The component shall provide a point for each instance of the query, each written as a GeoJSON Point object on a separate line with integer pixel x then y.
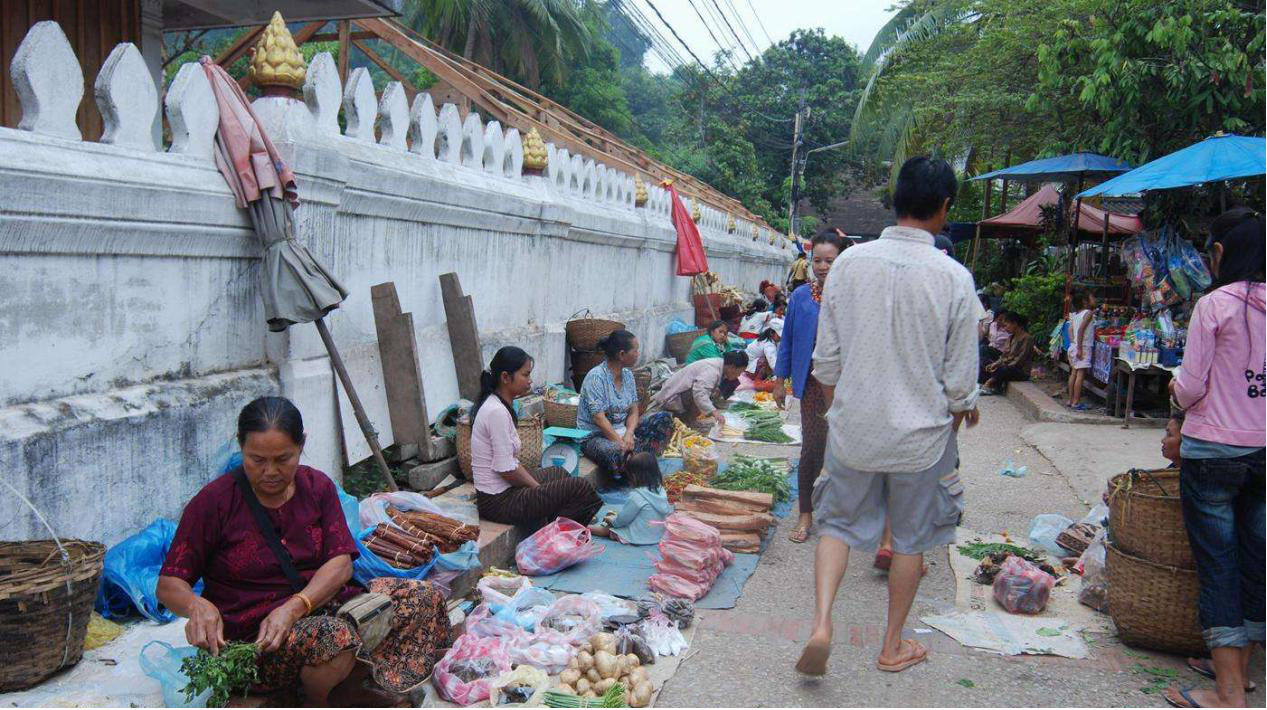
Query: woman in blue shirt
{"type": "Point", "coordinates": [795, 360]}
{"type": "Point", "coordinates": [609, 408]}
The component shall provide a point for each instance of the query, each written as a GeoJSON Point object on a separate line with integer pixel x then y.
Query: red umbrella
{"type": "Point", "coordinates": [691, 260]}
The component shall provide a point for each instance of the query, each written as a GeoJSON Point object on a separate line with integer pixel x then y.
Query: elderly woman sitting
{"type": "Point", "coordinates": [282, 593]}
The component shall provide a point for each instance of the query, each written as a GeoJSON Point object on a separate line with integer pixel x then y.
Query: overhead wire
{"type": "Point", "coordinates": [756, 47]}
{"type": "Point", "coordinates": [732, 30]}
{"type": "Point", "coordinates": [720, 47]}
{"type": "Point", "coordinates": [760, 24]}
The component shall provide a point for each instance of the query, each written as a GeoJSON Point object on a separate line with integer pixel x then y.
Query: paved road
{"type": "Point", "coordinates": [744, 656]}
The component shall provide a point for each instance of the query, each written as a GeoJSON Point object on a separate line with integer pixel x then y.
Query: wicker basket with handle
{"type": "Point", "coordinates": [560, 414]}
{"type": "Point", "coordinates": [1146, 517]}
{"type": "Point", "coordinates": [1153, 606]}
{"type": "Point", "coordinates": [530, 439]}
{"type": "Point", "coordinates": [584, 333]}
{"type": "Point", "coordinates": [47, 591]}
{"type": "Point", "coordinates": [582, 362]}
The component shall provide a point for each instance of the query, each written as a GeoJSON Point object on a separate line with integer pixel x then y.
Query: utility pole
{"type": "Point", "coordinates": [801, 114]}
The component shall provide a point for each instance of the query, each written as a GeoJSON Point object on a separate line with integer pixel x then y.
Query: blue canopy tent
{"type": "Point", "coordinates": [1221, 157]}
{"type": "Point", "coordinates": [1070, 167]}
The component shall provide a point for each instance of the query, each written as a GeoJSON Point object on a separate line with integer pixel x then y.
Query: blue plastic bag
{"type": "Point", "coordinates": [676, 326]}
{"type": "Point", "coordinates": [129, 577]}
{"type": "Point", "coordinates": [368, 565]}
{"type": "Point", "coordinates": [163, 665]}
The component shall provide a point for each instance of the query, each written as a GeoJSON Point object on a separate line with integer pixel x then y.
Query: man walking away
{"type": "Point", "coordinates": [897, 337]}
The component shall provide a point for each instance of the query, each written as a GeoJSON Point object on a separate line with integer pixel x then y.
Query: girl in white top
{"type": "Point", "coordinates": [763, 353]}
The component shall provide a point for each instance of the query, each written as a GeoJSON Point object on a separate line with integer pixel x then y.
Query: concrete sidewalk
{"type": "Point", "coordinates": [744, 656]}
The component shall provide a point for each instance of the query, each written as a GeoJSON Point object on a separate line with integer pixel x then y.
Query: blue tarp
{"type": "Point", "coordinates": [1213, 159]}
{"type": "Point", "coordinates": [1061, 167]}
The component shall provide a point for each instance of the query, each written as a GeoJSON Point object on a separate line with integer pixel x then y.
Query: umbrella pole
{"type": "Point", "coordinates": [371, 437]}
{"type": "Point", "coordinates": [976, 245]}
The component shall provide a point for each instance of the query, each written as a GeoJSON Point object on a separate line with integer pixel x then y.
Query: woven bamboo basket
{"type": "Point", "coordinates": [582, 362]}
{"type": "Point", "coordinates": [642, 379]}
{"type": "Point", "coordinates": [560, 414]}
{"type": "Point", "coordinates": [530, 439]}
{"type": "Point", "coordinates": [1154, 606]}
{"type": "Point", "coordinates": [45, 603]}
{"type": "Point", "coordinates": [584, 333]}
{"type": "Point", "coordinates": [1146, 517]}
{"type": "Point", "coordinates": [679, 344]}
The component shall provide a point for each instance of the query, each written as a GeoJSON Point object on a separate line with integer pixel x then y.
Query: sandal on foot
{"type": "Point", "coordinates": [798, 535]}
{"type": "Point", "coordinates": [1203, 667]}
{"type": "Point", "coordinates": [1184, 694]}
{"type": "Point", "coordinates": [883, 558]}
{"type": "Point", "coordinates": [813, 659]}
{"type": "Point", "coordinates": [920, 655]}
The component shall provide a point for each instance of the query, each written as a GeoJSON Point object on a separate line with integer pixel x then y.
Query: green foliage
{"type": "Point", "coordinates": [234, 669]}
{"type": "Point", "coordinates": [1040, 298]}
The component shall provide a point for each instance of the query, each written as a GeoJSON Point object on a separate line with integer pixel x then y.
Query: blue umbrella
{"type": "Point", "coordinates": [1062, 167]}
{"type": "Point", "coordinates": [1217, 158]}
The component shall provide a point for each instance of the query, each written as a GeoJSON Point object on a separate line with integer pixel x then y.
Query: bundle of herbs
{"type": "Point", "coordinates": [764, 426]}
{"type": "Point", "coordinates": [749, 473]}
{"type": "Point", "coordinates": [235, 669]}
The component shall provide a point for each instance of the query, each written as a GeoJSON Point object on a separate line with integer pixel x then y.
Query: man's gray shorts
{"type": "Point", "coordinates": [924, 508]}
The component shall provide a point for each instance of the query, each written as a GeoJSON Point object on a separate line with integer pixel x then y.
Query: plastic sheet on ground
{"type": "Point", "coordinates": [1010, 634]}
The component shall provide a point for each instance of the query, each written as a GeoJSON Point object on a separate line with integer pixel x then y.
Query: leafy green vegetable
{"type": "Point", "coordinates": [1048, 631]}
{"type": "Point", "coordinates": [749, 473]}
{"type": "Point", "coordinates": [613, 698]}
{"type": "Point", "coordinates": [978, 550]}
{"type": "Point", "coordinates": [234, 669]}
{"type": "Point", "coordinates": [740, 407]}
{"type": "Point", "coordinates": [966, 683]}
{"type": "Point", "coordinates": [764, 426]}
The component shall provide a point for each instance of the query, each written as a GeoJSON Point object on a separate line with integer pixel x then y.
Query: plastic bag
{"type": "Point", "coordinates": [368, 565]}
{"type": "Point", "coordinates": [374, 508]}
{"type": "Point", "coordinates": [545, 647]}
{"type": "Point", "coordinates": [1044, 530]}
{"type": "Point", "coordinates": [555, 547]}
{"type": "Point", "coordinates": [676, 326]}
{"type": "Point", "coordinates": [163, 665]}
{"type": "Point", "coordinates": [523, 687]}
{"type": "Point", "coordinates": [1021, 587]}
{"type": "Point", "coordinates": [129, 575]}
{"type": "Point", "coordinates": [496, 589]}
{"type": "Point", "coordinates": [466, 673]}
{"type": "Point", "coordinates": [699, 456]}
{"type": "Point", "coordinates": [608, 605]}
{"type": "Point", "coordinates": [1095, 580]}
{"type": "Point", "coordinates": [574, 616]}
{"type": "Point", "coordinates": [663, 636]}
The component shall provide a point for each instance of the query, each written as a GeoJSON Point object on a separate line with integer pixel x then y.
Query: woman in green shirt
{"type": "Point", "coordinates": [714, 343]}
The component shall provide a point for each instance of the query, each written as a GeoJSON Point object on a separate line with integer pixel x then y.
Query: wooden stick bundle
{"type": "Point", "coordinates": [446, 533]}
{"type": "Point", "coordinates": [398, 547]}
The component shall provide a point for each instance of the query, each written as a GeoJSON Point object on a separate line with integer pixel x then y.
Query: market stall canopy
{"type": "Point", "coordinates": [1062, 167]}
{"type": "Point", "coordinates": [1028, 215]}
{"type": "Point", "coordinates": [1221, 157]}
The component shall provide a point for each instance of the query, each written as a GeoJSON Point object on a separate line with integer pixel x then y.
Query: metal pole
{"type": "Point", "coordinates": [371, 436]}
{"type": "Point", "coordinates": [796, 144]}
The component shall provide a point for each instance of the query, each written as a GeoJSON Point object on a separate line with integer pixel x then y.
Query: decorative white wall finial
{"type": "Point", "coordinates": [323, 93]}
{"type": "Point", "coordinates": [422, 126]}
{"type": "Point", "coordinates": [360, 105]}
{"type": "Point", "coordinates": [192, 112]}
{"type": "Point", "coordinates": [513, 160]}
{"type": "Point", "coordinates": [393, 117]}
{"type": "Point", "coordinates": [48, 81]}
{"type": "Point", "coordinates": [127, 99]}
{"type": "Point", "coordinates": [449, 135]}
{"type": "Point", "coordinates": [472, 153]}
{"type": "Point", "coordinates": [494, 148]}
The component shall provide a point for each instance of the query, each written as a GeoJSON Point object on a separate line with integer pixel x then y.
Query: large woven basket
{"type": "Point", "coordinates": [560, 414]}
{"type": "Point", "coordinates": [1146, 517]}
{"type": "Point", "coordinates": [678, 345]}
{"type": "Point", "coordinates": [584, 333]}
{"type": "Point", "coordinates": [530, 438]}
{"type": "Point", "coordinates": [582, 362]}
{"type": "Point", "coordinates": [45, 603]}
{"type": "Point", "coordinates": [642, 380]}
{"type": "Point", "coordinates": [1154, 606]}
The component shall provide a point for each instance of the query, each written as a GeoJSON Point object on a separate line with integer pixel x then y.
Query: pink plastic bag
{"type": "Point", "coordinates": [690, 530]}
{"type": "Point", "coordinates": [676, 586]}
{"type": "Point", "coordinates": [555, 547]}
{"type": "Point", "coordinates": [692, 558]}
{"type": "Point", "coordinates": [453, 674]}
{"type": "Point", "coordinates": [1021, 587]}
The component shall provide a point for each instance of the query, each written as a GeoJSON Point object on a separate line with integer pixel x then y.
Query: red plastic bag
{"type": "Point", "coordinates": [1021, 587]}
{"type": "Point", "coordinates": [690, 530]}
{"type": "Point", "coordinates": [466, 673]}
{"type": "Point", "coordinates": [555, 547]}
{"type": "Point", "coordinates": [692, 558]}
{"type": "Point", "coordinates": [691, 259]}
{"type": "Point", "coordinates": [676, 586]}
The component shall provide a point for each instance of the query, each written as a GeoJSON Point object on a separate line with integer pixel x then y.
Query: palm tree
{"type": "Point", "coordinates": [531, 41]}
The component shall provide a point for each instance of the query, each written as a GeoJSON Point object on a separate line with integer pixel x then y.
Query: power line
{"type": "Point", "coordinates": [760, 23]}
{"type": "Point", "coordinates": [732, 30]}
{"type": "Point", "coordinates": [743, 26]}
{"type": "Point", "coordinates": [720, 47]}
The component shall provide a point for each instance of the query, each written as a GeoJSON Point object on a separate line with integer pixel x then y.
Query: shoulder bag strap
{"type": "Point", "coordinates": [266, 528]}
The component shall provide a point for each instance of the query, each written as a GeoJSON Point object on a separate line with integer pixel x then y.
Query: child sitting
{"type": "Point", "coordinates": [648, 503]}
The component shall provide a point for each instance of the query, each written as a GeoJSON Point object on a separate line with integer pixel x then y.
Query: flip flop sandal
{"type": "Point", "coordinates": [799, 535]}
{"type": "Point", "coordinates": [883, 559]}
{"type": "Point", "coordinates": [813, 659]}
{"type": "Point", "coordinates": [899, 667]}
{"type": "Point", "coordinates": [1203, 668]}
{"type": "Point", "coordinates": [1183, 693]}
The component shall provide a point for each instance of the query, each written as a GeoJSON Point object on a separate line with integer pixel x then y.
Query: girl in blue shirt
{"type": "Point", "coordinates": [640, 520]}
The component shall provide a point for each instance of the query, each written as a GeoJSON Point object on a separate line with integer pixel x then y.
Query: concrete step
{"type": "Point", "coordinates": [1039, 406]}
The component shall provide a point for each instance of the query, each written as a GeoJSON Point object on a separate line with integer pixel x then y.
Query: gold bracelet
{"type": "Point", "coordinates": [307, 602]}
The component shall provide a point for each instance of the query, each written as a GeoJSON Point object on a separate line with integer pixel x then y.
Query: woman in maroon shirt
{"type": "Point", "coordinates": [247, 597]}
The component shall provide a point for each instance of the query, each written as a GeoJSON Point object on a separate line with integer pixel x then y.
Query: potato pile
{"type": "Point", "coordinates": [597, 667]}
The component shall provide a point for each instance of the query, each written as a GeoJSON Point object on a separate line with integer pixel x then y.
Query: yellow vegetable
{"type": "Point", "coordinates": [570, 676]}
{"type": "Point", "coordinates": [584, 660]}
{"type": "Point", "coordinates": [640, 695]}
{"type": "Point", "coordinates": [589, 694]}
{"type": "Point", "coordinates": [605, 663]}
{"type": "Point", "coordinates": [639, 675]}
{"type": "Point", "coordinates": [604, 642]}
{"type": "Point", "coordinates": [565, 688]}
{"type": "Point", "coordinates": [582, 686]}
{"type": "Point", "coordinates": [632, 659]}
{"type": "Point", "coordinates": [593, 675]}
{"type": "Point", "coordinates": [603, 685]}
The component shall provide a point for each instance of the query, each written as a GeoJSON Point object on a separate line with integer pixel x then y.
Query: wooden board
{"type": "Point", "coordinates": [402, 376]}
{"type": "Point", "coordinates": [464, 337]}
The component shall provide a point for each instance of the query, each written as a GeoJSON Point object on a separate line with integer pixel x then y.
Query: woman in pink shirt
{"type": "Point", "coordinates": [505, 491]}
{"type": "Point", "coordinates": [1221, 481]}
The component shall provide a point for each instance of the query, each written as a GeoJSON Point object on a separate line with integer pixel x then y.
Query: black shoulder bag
{"type": "Point", "coordinates": [266, 528]}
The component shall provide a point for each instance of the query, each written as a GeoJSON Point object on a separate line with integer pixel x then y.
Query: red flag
{"type": "Point", "coordinates": [690, 248]}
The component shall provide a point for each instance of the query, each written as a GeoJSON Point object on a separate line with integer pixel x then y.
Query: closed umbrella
{"type": "Point", "coordinates": [296, 288]}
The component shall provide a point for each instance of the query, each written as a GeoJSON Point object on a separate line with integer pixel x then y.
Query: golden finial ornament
{"type": "Point", "coordinates": [696, 215]}
{"type": "Point", "coordinates": [730, 223]}
{"type": "Point", "coordinates": [640, 191]}
{"type": "Point", "coordinates": [276, 60]}
{"type": "Point", "coordinates": [536, 158]}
